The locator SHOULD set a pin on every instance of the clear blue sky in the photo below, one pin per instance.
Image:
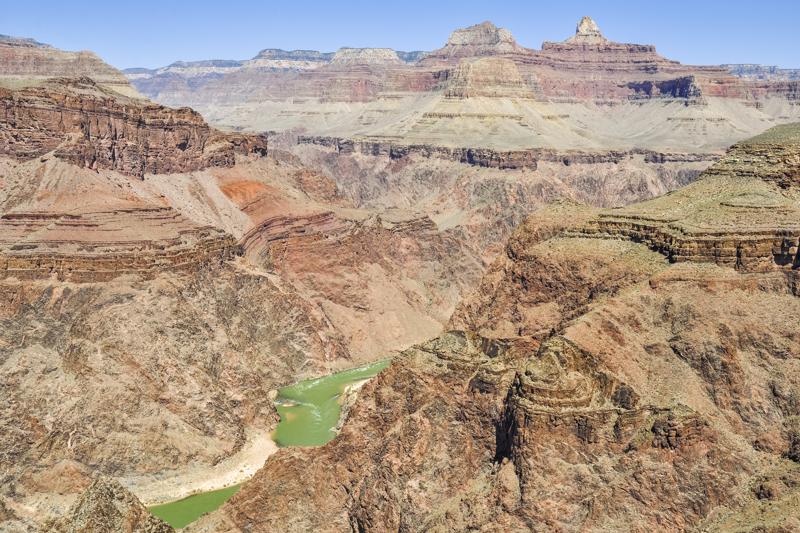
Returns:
(155, 33)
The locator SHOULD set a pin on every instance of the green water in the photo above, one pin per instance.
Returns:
(309, 413)
(310, 409)
(183, 512)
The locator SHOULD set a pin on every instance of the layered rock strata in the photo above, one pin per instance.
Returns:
(511, 159)
(484, 90)
(23, 61)
(99, 246)
(742, 215)
(88, 126)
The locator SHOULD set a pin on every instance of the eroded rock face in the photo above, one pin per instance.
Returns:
(365, 56)
(106, 507)
(90, 127)
(475, 41)
(25, 60)
(487, 77)
(582, 365)
(587, 31)
(742, 215)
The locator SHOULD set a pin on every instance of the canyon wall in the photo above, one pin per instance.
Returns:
(585, 363)
(92, 128)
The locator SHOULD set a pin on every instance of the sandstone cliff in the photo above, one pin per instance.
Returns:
(91, 127)
(483, 90)
(23, 61)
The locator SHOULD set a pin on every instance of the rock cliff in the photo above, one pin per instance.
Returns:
(479, 40)
(25, 60)
(88, 126)
(365, 56)
(483, 87)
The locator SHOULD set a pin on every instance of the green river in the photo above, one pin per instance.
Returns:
(309, 413)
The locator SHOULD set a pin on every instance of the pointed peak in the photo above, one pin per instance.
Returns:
(587, 26)
(587, 31)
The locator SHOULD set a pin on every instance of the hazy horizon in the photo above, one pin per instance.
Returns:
(155, 34)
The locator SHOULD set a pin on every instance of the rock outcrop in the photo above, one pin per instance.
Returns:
(584, 364)
(107, 507)
(484, 157)
(94, 246)
(88, 126)
(25, 61)
(743, 215)
(587, 32)
(484, 39)
(365, 56)
(487, 77)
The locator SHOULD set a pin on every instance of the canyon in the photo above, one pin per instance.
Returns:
(573, 254)
(616, 369)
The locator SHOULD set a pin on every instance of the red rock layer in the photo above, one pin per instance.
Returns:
(91, 127)
(99, 246)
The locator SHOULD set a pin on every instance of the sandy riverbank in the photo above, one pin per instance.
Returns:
(165, 487)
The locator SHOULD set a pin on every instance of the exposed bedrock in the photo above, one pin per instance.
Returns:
(23, 61)
(389, 280)
(502, 159)
(146, 377)
(743, 212)
(88, 126)
(107, 507)
(590, 384)
(76, 247)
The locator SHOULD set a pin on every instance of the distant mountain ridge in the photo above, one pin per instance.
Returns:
(482, 89)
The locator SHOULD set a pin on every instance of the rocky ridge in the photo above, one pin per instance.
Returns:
(365, 56)
(483, 90)
(106, 507)
(88, 126)
(475, 41)
(23, 61)
(484, 157)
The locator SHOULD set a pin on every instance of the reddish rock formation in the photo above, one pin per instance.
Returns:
(90, 127)
(481, 61)
(99, 246)
(485, 157)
